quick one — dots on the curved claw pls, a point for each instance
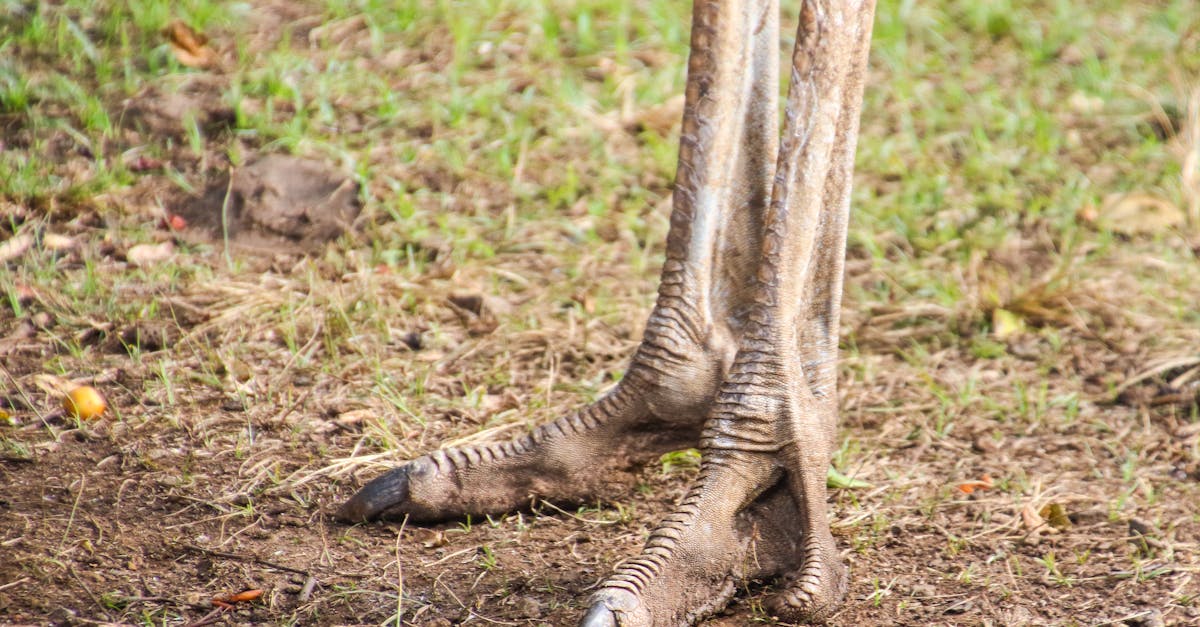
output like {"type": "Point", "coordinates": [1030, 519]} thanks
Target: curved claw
{"type": "Point", "coordinates": [383, 492]}
{"type": "Point", "coordinates": [608, 606]}
{"type": "Point", "coordinates": [599, 616]}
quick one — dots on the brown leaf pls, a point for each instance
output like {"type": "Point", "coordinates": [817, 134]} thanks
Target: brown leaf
{"type": "Point", "coordinates": [241, 597]}
{"type": "Point", "coordinates": [53, 241]}
{"type": "Point", "coordinates": [1139, 214]}
{"type": "Point", "coordinates": [1031, 519]}
{"type": "Point", "coordinates": [1056, 515]}
{"type": "Point", "coordinates": [1006, 324]}
{"type": "Point", "coordinates": [434, 539]}
{"type": "Point", "coordinates": [969, 487]}
{"type": "Point", "coordinates": [659, 119]}
{"type": "Point", "coordinates": [468, 302]}
{"type": "Point", "coordinates": [146, 254]}
{"type": "Point", "coordinates": [15, 246]}
{"type": "Point", "coordinates": [190, 47]}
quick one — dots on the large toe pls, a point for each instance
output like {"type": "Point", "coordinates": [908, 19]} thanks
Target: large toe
{"type": "Point", "coordinates": [381, 494]}
{"type": "Point", "coordinates": [814, 593]}
{"type": "Point", "coordinates": [614, 608]}
{"type": "Point", "coordinates": [693, 561]}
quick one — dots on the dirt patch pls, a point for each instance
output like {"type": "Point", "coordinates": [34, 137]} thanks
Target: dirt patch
{"type": "Point", "coordinates": [157, 114]}
{"type": "Point", "coordinates": [276, 203]}
{"type": "Point", "coordinates": [504, 285]}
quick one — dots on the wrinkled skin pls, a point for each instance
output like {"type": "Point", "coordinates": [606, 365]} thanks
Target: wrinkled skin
{"type": "Point", "coordinates": [739, 353]}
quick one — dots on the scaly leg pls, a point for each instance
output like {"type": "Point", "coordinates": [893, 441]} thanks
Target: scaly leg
{"type": "Point", "coordinates": [727, 145]}
{"type": "Point", "coordinates": [769, 437]}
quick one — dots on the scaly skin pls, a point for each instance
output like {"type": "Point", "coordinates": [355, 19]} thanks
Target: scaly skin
{"type": "Point", "coordinates": [727, 140]}
{"type": "Point", "coordinates": [739, 354]}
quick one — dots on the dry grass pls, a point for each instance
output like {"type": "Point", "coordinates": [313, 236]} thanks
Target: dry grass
{"type": "Point", "coordinates": [516, 162]}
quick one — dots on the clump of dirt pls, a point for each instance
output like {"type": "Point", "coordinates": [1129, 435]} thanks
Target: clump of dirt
{"type": "Point", "coordinates": [168, 114]}
{"type": "Point", "coordinates": [276, 203]}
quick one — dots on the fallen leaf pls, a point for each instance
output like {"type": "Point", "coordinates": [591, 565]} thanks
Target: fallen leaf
{"type": "Point", "coordinates": [146, 254]}
{"type": "Point", "coordinates": [1139, 214]}
{"type": "Point", "coordinates": [969, 487]}
{"type": "Point", "coordinates": [1088, 214]}
{"type": "Point", "coordinates": [1056, 515]}
{"type": "Point", "coordinates": [53, 385]}
{"type": "Point", "coordinates": [435, 539]}
{"type": "Point", "coordinates": [143, 163]}
{"type": "Point", "coordinates": [836, 480]}
{"type": "Point", "coordinates": [241, 597]}
{"type": "Point", "coordinates": [190, 47]}
{"type": "Point", "coordinates": [467, 302]}
{"type": "Point", "coordinates": [1085, 104]}
{"type": "Point", "coordinates": [497, 305]}
{"type": "Point", "coordinates": [1031, 519]}
{"type": "Point", "coordinates": [659, 119]}
{"type": "Point", "coordinates": [25, 293]}
{"type": "Point", "coordinates": [1006, 324]}
{"type": "Point", "coordinates": [585, 299]}
{"type": "Point", "coordinates": [15, 246]}
{"type": "Point", "coordinates": [52, 241]}
{"type": "Point", "coordinates": [353, 417]}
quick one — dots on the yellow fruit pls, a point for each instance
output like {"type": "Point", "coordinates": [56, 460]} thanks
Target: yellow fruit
{"type": "Point", "coordinates": [84, 402]}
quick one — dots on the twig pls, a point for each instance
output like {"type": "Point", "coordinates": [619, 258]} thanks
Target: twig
{"type": "Point", "coordinates": [577, 517]}
{"type": "Point", "coordinates": [246, 558]}
{"type": "Point", "coordinates": [291, 408]}
{"type": "Point", "coordinates": [74, 508]}
{"type": "Point", "coordinates": [307, 590]}
{"type": "Point", "coordinates": [208, 618]}
{"type": "Point", "coordinates": [13, 584]}
{"type": "Point", "coordinates": [400, 573]}
{"type": "Point", "coordinates": [88, 590]}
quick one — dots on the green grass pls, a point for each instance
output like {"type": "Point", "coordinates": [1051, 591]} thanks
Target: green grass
{"type": "Point", "coordinates": [494, 159]}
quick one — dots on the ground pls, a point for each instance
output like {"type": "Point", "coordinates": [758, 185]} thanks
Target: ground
{"type": "Point", "coordinates": [1019, 380]}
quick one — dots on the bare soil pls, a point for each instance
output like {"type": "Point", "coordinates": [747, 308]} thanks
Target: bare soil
{"type": "Point", "coordinates": [218, 473]}
{"type": "Point", "coordinates": [151, 512]}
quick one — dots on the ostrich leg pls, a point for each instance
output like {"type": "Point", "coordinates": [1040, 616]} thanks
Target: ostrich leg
{"type": "Point", "coordinates": [758, 507]}
{"type": "Point", "coordinates": [727, 146]}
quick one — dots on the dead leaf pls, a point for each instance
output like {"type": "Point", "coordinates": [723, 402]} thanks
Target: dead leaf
{"type": "Point", "coordinates": [1087, 214]}
{"type": "Point", "coordinates": [1006, 324]}
{"type": "Point", "coordinates": [434, 539]}
{"type": "Point", "coordinates": [585, 300]}
{"type": "Point", "coordinates": [468, 302]}
{"type": "Point", "coordinates": [1139, 214]}
{"type": "Point", "coordinates": [143, 163]}
{"type": "Point", "coordinates": [1032, 520]}
{"type": "Point", "coordinates": [969, 487]}
{"type": "Point", "coordinates": [497, 305]}
{"type": "Point", "coordinates": [659, 119]}
{"type": "Point", "coordinates": [1056, 515]}
{"type": "Point", "coordinates": [15, 246]}
{"type": "Point", "coordinates": [25, 293]}
{"type": "Point", "coordinates": [241, 597]}
{"type": "Point", "coordinates": [481, 305]}
{"type": "Point", "coordinates": [52, 241]}
{"type": "Point", "coordinates": [353, 417]}
{"type": "Point", "coordinates": [190, 47]}
{"type": "Point", "coordinates": [146, 254]}
{"type": "Point", "coordinates": [1085, 104]}
{"type": "Point", "coordinates": [53, 385]}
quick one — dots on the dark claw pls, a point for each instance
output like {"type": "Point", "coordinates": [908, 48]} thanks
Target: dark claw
{"type": "Point", "coordinates": [383, 492]}
{"type": "Point", "coordinates": [607, 607]}
{"type": "Point", "coordinates": [599, 616]}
